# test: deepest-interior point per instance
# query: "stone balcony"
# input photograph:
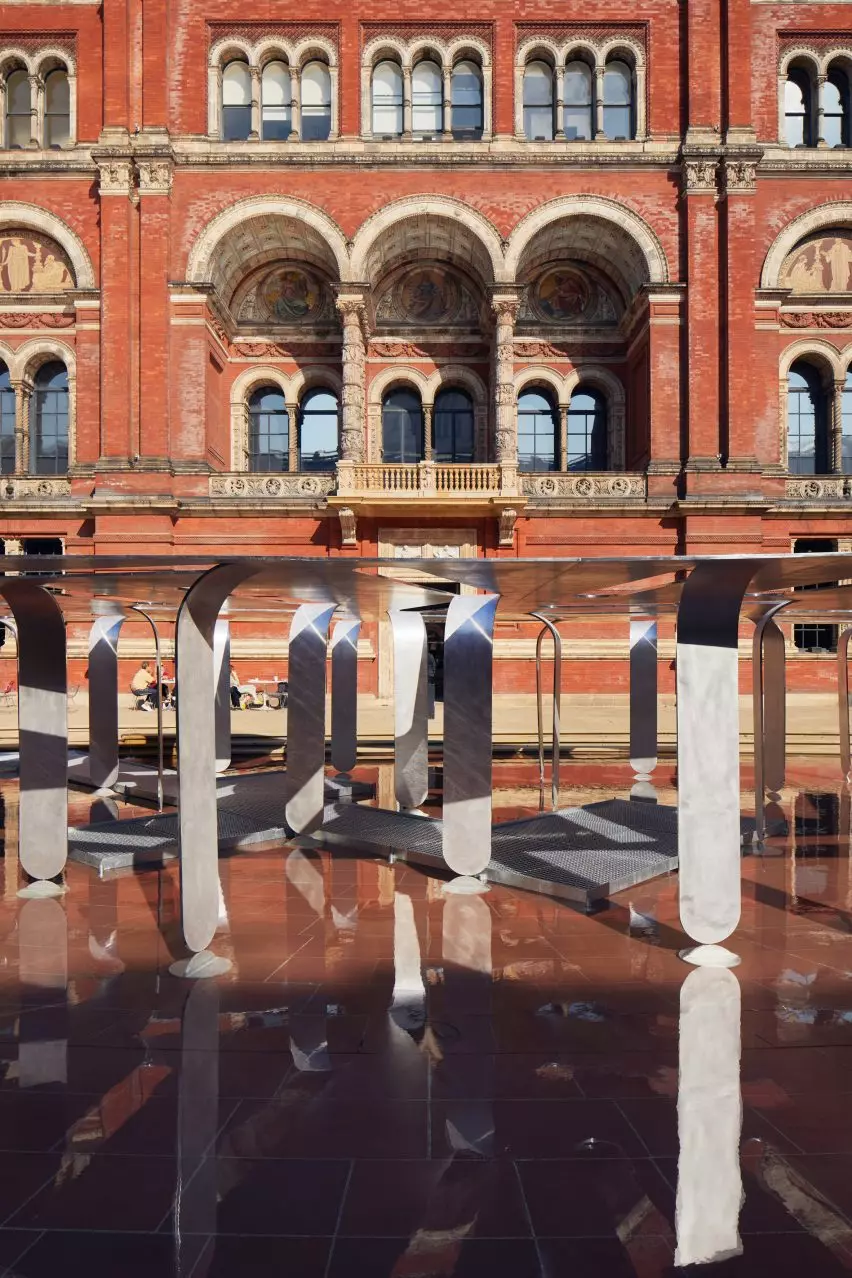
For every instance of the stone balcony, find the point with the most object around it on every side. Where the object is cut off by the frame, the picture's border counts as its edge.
(422, 479)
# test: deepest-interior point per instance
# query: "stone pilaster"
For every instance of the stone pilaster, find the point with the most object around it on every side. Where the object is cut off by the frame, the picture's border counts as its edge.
(351, 308)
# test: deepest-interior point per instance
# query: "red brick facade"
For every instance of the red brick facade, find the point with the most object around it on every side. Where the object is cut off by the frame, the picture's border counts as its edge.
(674, 255)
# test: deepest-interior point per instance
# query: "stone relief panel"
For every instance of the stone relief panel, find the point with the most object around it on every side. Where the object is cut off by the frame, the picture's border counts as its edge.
(287, 294)
(568, 295)
(32, 263)
(820, 264)
(427, 297)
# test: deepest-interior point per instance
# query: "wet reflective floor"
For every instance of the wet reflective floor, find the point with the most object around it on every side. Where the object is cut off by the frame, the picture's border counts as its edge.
(399, 1082)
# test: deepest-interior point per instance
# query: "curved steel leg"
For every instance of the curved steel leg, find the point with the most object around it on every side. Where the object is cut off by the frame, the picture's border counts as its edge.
(769, 713)
(843, 702)
(411, 708)
(643, 696)
(158, 661)
(468, 655)
(555, 738)
(42, 728)
(344, 693)
(708, 739)
(222, 691)
(103, 700)
(306, 715)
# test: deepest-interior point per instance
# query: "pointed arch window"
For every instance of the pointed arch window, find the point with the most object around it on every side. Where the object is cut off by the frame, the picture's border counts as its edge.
(835, 108)
(236, 102)
(466, 101)
(57, 109)
(538, 429)
(538, 102)
(587, 431)
(452, 427)
(427, 100)
(276, 114)
(18, 110)
(49, 448)
(578, 101)
(316, 102)
(798, 108)
(618, 118)
(7, 422)
(319, 430)
(387, 99)
(402, 426)
(269, 430)
(808, 450)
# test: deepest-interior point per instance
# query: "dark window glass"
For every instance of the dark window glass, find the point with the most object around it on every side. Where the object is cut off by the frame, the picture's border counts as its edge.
(538, 424)
(587, 443)
(269, 430)
(57, 109)
(538, 102)
(618, 100)
(49, 456)
(452, 427)
(276, 118)
(798, 108)
(846, 444)
(7, 423)
(466, 101)
(18, 110)
(835, 109)
(236, 102)
(807, 422)
(402, 427)
(577, 114)
(316, 102)
(318, 431)
(387, 100)
(427, 100)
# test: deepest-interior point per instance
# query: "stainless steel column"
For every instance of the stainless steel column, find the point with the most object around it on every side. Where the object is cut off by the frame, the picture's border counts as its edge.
(103, 700)
(158, 661)
(222, 692)
(843, 703)
(768, 663)
(306, 715)
(344, 693)
(410, 708)
(708, 745)
(643, 696)
(42, 728)
(468, 654)
(555, 739)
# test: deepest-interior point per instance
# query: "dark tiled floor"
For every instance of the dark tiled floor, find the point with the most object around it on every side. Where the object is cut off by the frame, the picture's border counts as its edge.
(507, 1106)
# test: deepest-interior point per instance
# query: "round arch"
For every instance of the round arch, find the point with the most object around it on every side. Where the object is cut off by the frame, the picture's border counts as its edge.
(199, 268)
(822, 217)
(827, 358)
(41, 350)
(259, 375)
(16, 213)
(590, 206)
(450, 375)
(541, 375)
(390, 378)
(479, 231)
(315, 377)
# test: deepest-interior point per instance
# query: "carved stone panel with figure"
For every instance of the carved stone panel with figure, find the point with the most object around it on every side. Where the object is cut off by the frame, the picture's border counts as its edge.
(32, 263)
(820, 264)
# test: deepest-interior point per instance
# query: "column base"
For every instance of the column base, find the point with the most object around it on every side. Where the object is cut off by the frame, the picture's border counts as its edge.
(201, 966)
(41, 890)
(710, 956)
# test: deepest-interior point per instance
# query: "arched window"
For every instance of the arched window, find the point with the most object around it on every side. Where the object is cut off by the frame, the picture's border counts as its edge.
(402, 426)
(387, 100)
(618, 100)
(269, 430)
(835, 108)
(807, 422)
(538, 423)
(276, 118)
(798, 108)
(427, 100)
(452, 427)
(466, 101)
(7, 422)
(578, 100)
(57, 109)
(318, 431)
(846, 424)
(538, 102)
(49, 447)
(316, 102)
(18, 110)
(587, 442)
(236, 102)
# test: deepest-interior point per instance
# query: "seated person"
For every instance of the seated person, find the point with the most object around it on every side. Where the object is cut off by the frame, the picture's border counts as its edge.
(235, 689)
(144, 684)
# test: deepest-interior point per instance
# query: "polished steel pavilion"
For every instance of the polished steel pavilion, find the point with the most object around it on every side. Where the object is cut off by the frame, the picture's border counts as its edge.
(708, 595)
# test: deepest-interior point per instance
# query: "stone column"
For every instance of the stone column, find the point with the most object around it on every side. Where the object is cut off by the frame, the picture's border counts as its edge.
(563, 436)
(351, 308)
(292, 436)
(23, 391)
(406, 103)
(428, 410)
(505, 307)
(835, 443)
(598, 103)
(255, 104)
(295, 106)
(820, 120)
(36, 110)
(560, 102)
(447, 134)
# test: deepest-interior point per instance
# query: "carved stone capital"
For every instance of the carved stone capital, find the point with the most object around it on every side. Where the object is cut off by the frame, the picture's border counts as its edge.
(698, 176)
(155, 176)
(116, 177)
(348, 526)
(740, 175)
(506, 529)
(505, 308)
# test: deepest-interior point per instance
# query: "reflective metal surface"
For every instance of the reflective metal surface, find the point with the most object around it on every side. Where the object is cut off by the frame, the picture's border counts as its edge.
(344, 693)
(411, 708)
(306, 715)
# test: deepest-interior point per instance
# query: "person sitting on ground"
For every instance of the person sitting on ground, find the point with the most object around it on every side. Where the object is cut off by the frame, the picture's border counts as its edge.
(235, 689)
(144, 684)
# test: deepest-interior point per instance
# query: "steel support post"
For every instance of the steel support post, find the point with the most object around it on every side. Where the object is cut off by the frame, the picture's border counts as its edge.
(411, 708)
(548, 627)
(306, 715)
(103, 700)
(643, 696)
(222, 692)
(344, 693)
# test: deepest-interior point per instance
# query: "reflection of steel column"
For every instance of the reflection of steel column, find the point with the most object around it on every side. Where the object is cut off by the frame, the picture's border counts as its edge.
(103, 700)
(643, 696)
(344, 694)
(198, 1122)
(43, 974)
(306, 715)
(411, 708)
(709, 1111)
(222, 691)
(42, 728)
(555, 742)
(468, 643)
(769, 710)
(468, 984)
(708, 748)
(158, 656)
(843, 702)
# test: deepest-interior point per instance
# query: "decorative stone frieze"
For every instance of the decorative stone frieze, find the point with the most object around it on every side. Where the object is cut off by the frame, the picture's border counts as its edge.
(34, 487)
(819, 488)
(585, 486)
(272, 486)
(816, 319)
(37, 319)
